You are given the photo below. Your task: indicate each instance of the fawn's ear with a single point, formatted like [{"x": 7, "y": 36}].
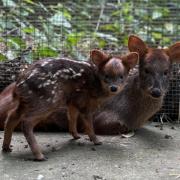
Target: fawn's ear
[
  {"x": 98, "y": 57},
  {"x": 135, "y": 44},
  {"x": 130, "y": 60},
  {"x": 174, "y": 52}
]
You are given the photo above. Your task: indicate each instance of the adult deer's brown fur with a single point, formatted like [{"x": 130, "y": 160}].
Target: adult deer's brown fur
[
  {"x": 6, "y": 103},
  {"x": 143, "y": 94},
  {"x": 80, "y": 86}
]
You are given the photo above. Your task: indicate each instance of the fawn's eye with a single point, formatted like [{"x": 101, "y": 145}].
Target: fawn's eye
[
  {"x": 147, "y": 71},
  {"x": 121, "y": 76},
  {"x": 106, "y": 78}
]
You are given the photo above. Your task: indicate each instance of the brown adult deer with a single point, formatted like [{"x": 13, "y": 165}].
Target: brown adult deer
[{"x": 143, "y": 94}]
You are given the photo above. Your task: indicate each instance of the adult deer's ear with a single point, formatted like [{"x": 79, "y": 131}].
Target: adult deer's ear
[
  {"x": 130, "y": 60},
  {"x": 135, "y": 44},
  {"x": 174, "y": 52},
  {"x": 98, "y": 57}
]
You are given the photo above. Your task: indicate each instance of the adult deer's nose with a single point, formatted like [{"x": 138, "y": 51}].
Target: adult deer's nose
[{"x": 155, "y": 92}]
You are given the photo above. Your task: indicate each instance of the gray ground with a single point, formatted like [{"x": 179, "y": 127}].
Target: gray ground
[{"x": 151, "y": 154}]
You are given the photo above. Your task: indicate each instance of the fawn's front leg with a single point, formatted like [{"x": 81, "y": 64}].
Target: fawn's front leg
[
  {"x": 73, "y": 113},
  {"x": 87, "y": 121}
]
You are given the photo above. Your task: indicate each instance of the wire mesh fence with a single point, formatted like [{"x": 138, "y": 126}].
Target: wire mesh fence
[{"x": 71, "y": 28}]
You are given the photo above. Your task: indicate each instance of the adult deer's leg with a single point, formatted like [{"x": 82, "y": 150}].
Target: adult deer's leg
[{"x": 11, "y": 122}]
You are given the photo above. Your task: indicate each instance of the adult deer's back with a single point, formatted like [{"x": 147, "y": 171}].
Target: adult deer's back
[{"x": 143, "y": 95}]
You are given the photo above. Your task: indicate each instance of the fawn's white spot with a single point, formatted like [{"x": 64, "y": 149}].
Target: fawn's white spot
[
  {"x": 53, "y": 82},
  {"x": 29, "y": 92},
  {"x": 48, "y": 100},
  {"x": 66, "y": 70},
  {"x": 44, "y": 63},
  {"x": 22, "y": 70},
  {"x": 71, "y": 70},
  {"x": 21, "y": 82},
  {"x": 76, "y": 75},
  {"x": 41, "y": 78},
  {"x": 81, "y": 70},
  {"x": 34, "y": 71},
  {"x": 40, "y": 86}
]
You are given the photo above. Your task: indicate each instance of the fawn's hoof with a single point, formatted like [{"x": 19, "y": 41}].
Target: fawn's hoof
[
  {"x": 97, "y": 143},
  {"x": 75, "y": 137},
  {"x": 95, "y": 140},
  {"x": 6, "y": 149},
  {"x": 40, "y": 159}
]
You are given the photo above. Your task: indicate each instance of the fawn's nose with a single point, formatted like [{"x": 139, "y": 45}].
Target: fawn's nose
[
  {"x": 156, "y": 92},
  {"x": 113, "y": 88}
]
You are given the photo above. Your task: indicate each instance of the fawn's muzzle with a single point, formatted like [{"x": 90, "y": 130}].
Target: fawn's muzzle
[
  {"x": 156, "y": 93},
  {"x": 113, "y": 88}
]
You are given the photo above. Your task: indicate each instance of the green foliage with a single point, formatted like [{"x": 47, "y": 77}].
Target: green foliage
[
  {"x": 2, "y": 57},
  {"x": 74, "y": 27}
]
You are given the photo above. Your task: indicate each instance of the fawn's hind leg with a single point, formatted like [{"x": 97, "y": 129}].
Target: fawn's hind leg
[
  {"x": 87, "y": 121},
  {"x": 28, "y": 124},
  {"x": 73, "y": 113},
  {"x": 12, "y": 121}
]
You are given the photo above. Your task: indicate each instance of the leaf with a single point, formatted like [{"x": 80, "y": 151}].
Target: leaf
[
  {"x": 115, "y": 27},
  {"x": 8, "y": 3},
  {"x": 27, "y": 10},
  {"x": 74, "y": 38},
  {"x": 59, "y": 20},
  {"x": 166, "y": 40},
  {"x": 47, "y": 52},
  {"x": 10, "y": 54},
  {"x": 156, "y": 35},
  {"x": 106, "y": 36},
  {"x": 2, "y": 57},
  {"x": 102, "y": 43},
  {"x": 16, "y": 42},
  {"x": 116, "y": 13},
  {"x": 43, "y": 7},
  {"x": 28, "y": 57},
  {"x": 169, "y": 27},
  {"x": 29, "y": 30},
  {"x": 156, "y": 14},
  {"x": 66, "y": 14},
  {"x": 29, "y": 1}
]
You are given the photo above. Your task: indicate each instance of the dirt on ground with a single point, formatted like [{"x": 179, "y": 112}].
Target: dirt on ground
[{"x": 152, "y": 153}]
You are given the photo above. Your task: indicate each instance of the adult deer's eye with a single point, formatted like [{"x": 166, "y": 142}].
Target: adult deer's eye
[
  {"x": 166, "y": 72},
  {"x": 106, "y": 77}
]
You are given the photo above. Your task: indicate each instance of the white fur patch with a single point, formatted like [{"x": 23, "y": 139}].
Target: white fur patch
[
  {"x": 44, "y": 63},
  {"x": 34, "y": 71}
]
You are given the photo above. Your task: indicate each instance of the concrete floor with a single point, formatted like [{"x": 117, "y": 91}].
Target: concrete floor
[{"x": 151, "y": 154}]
